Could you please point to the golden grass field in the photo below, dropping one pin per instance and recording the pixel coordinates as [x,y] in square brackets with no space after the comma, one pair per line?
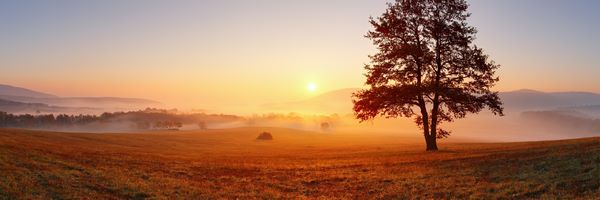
[230,164]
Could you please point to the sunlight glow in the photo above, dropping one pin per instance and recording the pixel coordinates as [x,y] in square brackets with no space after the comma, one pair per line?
[311,87]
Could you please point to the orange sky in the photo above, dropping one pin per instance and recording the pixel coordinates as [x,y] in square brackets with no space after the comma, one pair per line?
[203,54]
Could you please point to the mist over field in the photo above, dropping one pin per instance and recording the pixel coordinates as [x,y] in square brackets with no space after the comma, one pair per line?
[530,116]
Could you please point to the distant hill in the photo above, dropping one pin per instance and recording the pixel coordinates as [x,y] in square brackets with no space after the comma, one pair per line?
[571,121]
[339,101]
[592,111]
[19,107]
[25,100]
[97,102]
[8,90]
[536,100]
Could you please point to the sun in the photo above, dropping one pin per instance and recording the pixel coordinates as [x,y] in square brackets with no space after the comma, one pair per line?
[311,87]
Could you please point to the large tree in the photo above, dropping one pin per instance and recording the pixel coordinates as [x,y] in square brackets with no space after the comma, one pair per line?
[426,67]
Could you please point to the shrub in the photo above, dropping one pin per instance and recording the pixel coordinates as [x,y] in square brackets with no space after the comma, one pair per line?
[265,136]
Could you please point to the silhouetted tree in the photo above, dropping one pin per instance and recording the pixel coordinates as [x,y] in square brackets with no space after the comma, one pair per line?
[426,67]
[143,125]
[325,126]
[202,125]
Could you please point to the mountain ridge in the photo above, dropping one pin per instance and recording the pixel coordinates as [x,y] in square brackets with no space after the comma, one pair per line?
[339,101]
[21,98]
[20,91]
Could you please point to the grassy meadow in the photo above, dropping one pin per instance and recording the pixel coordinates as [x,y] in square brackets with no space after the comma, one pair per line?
[231,163]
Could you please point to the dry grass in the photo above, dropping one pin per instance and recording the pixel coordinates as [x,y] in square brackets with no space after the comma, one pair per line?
[229,164]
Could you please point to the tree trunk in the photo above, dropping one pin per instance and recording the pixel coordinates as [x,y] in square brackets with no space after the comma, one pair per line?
[425,118]
[431,143]
[432,139]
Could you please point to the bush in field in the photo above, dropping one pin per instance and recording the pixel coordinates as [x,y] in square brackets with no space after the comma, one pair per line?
[265,136]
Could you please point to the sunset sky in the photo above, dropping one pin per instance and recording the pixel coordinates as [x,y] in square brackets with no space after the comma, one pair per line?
[224,52]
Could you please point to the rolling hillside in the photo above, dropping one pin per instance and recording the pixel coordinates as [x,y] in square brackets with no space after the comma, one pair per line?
[96,102]
[8,90]
[22,100]
[19,107]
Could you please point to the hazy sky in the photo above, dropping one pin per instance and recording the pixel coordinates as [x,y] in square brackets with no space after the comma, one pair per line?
[221,52]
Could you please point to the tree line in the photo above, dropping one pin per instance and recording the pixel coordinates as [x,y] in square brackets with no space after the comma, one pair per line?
[44,120]
[149,118]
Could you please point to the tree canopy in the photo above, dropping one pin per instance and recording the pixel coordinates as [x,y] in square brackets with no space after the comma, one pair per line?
[426,67]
